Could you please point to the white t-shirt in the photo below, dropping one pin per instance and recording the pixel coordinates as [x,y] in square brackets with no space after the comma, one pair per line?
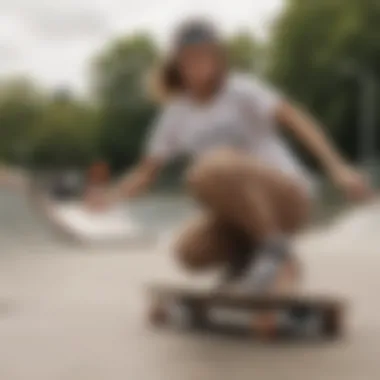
[242,115]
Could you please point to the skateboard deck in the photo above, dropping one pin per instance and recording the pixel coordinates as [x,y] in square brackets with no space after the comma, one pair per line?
[301,316]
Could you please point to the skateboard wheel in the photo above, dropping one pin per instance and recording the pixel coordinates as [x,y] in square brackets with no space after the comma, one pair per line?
[332,325]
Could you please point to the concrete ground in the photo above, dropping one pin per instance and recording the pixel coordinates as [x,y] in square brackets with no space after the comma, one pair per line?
[75,314]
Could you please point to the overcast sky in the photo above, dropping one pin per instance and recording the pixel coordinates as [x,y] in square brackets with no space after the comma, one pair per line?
[54,42]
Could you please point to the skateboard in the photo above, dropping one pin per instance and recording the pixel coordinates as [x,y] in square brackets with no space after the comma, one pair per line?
[215,311]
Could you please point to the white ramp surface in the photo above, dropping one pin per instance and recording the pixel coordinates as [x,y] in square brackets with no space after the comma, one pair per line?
[111,225]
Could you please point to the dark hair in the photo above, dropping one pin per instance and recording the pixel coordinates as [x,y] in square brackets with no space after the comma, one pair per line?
[168,81]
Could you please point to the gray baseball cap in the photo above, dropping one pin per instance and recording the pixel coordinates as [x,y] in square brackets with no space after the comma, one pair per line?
[195,32]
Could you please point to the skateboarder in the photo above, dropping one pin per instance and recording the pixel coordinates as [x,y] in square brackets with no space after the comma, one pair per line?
[254,191]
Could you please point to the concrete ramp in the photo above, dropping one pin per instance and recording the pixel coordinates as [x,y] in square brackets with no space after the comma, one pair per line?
[76,315]
[29,216]
[20,222]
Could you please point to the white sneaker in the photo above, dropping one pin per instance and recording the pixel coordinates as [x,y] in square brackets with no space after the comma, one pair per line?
[264,270]
[262,274]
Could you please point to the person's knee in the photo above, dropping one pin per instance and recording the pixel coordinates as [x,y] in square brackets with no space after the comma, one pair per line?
[187,258]
[212,170]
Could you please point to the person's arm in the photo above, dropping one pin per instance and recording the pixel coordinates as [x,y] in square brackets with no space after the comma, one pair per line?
[311,135]
[266,103]
[162,147]
[139,180]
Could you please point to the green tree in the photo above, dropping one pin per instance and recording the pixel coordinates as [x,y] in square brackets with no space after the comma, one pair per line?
[243,52]
[66,134]
[125,111]
[313,44]
[21,104]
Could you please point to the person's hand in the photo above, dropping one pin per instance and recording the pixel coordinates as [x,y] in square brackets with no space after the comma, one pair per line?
[354,184]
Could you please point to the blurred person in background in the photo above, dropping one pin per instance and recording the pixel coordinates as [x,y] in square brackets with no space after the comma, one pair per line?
[254,191]
[97,179]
